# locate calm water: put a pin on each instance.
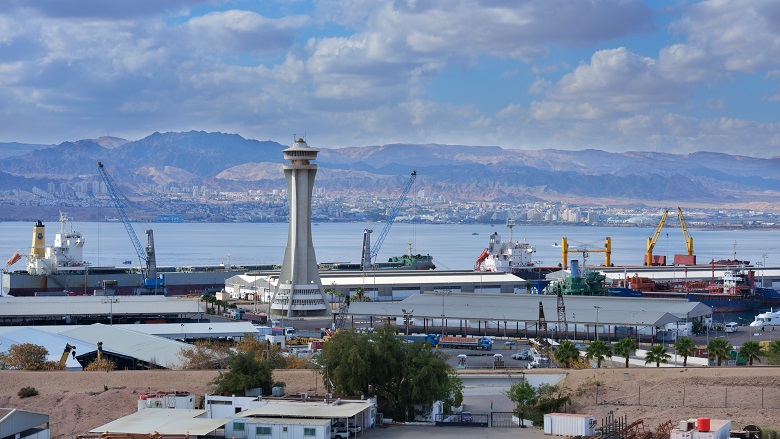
(452, 246)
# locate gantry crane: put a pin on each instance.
(607, 250)
(651, 241)
(369, 254)
(149, 277)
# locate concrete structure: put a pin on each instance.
(21, 424)
(299, 291)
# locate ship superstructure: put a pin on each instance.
(65, 255)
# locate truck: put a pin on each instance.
(431, 339)
(484, 343)
(288, 332)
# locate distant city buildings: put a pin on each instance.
(201, 203)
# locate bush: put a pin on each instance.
(24, 392)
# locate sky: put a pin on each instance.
(616, 75)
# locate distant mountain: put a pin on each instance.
(457, 172)
(12, 149)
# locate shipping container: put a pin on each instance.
(569, 424)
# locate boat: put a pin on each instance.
(514, 257)
(771, 318)
(59, 269)
(736, 291)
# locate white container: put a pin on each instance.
(569, 424)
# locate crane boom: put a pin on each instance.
(687, 237)
(651, 241)
(147, 254)
(369, 254)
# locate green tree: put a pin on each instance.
(27, 356)
(566, 353)
(625, 348)
(401, 375)
(657, 354)
(523, 395)
(719, 348)
(773, 352)
(246, 372)
(685, 348)
(360, 293)
(598, 350)
(750, 351)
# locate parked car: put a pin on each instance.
(466, 417)
(336, 433)
(522, 355)
(510, 343)
(352, 428)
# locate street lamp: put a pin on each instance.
(408, 316)
(597, 320)
(763, 268)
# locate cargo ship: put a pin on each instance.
(59, 269)
(514, 257)
(736, 291)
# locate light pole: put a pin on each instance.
(408, 316)
(574, 317)
(763, 268)
(597, 320)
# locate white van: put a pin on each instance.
(731, 327)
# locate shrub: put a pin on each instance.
(24, 392)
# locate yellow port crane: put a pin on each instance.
(607, 250)
(651, 241)
(65, 353)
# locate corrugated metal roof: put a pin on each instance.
(149, 348)
(164, 421)
(525, 308)
(14, 421)
(307, 410)
(53, 342)
(232, 329)
(408, 277)
(95, 305)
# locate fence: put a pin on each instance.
(698, 396)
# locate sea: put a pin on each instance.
(452, 246)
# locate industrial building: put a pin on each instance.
(245, 417)
(84, 310)
(23, 424)
(517, 315)
(384, 285)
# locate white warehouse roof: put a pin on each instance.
(164, 421)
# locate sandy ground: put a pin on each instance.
(80, 401)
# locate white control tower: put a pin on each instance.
(299, 291)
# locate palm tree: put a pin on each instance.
(685, 348)
(598, 350)
(719, 348)
(657, 354)
(625, 348)
(750, 351)
(566, 353)
(773, 352)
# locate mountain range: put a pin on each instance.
(221, 161)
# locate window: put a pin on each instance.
(309, 432)
(238, 426)
(262, 431)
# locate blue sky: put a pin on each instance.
(617, 75)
